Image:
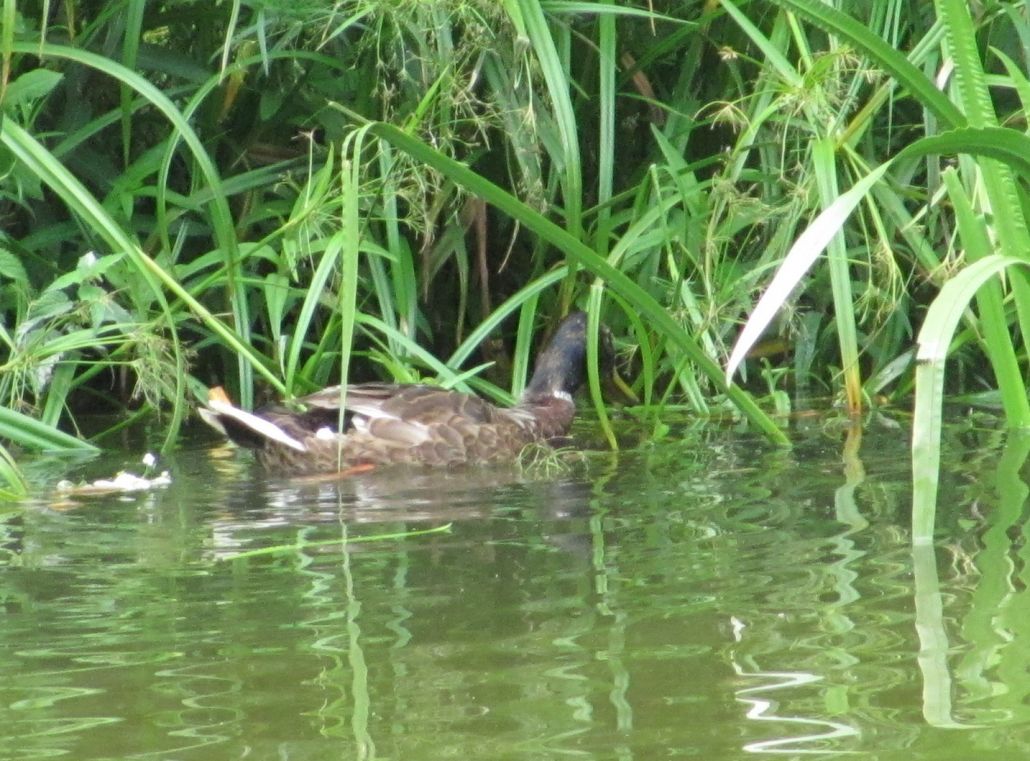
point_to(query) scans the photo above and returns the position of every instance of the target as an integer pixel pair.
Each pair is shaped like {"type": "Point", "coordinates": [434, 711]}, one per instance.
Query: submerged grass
{"type": "Point", "coordinates": [301, 546]}
{"type": "Point", "coordinates": [286, 197]}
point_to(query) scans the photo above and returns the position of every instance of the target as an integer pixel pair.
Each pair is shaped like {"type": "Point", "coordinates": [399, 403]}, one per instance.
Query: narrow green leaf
{"type": "Point", "coordinates": [606, 138]}
{"type": "Point", "coordinates": [772, 54]}
{"type": "Point", "coordinates": [130, 51]}
{"type": "Point", "coordinates": [968, 73]}
{"type": "Point", "coordinates": [557, 80]}
{"type": "Point", "coordinates": [823, 159]}
{"type": "Point", "coordinates": [934, 340]}
{"type": "Point", "coordinates": [1019, 80]}
{"type": "Point", "coordinates": [990, 305]}
{"type": "Point", "coordinates": [28, 432]}
{"type": "Point", "coordinates": [593, 378]}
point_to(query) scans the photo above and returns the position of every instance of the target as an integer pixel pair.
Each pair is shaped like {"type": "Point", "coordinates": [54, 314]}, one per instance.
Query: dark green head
{"type": "Point", "coordinates": [561, 368]}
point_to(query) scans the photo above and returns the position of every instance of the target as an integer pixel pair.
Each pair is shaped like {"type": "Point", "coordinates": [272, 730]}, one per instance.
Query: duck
{"type": "Point", "coordinates": [417, 424]}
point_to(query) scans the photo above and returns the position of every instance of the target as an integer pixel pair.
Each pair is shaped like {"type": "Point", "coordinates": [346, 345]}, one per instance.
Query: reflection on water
{"type": "Point", "coordinates": [807, 735]}
{"type": "Point", "coordinates": [703, 598]}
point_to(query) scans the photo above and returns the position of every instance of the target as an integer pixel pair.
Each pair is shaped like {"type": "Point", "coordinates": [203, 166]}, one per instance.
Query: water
{"type": "Point", "coordinates": [706, 597]}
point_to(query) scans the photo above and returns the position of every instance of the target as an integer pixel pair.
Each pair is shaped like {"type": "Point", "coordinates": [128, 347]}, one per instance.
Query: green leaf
{"type": "Point", "coordinates": [1006, 145]}
{"type": "Point", "coordinates": [934, 340]}
{"type": "Point", "coordinates": [11, 268]}
{"type": "Point", "coordinates": [30, 86]}
{"type": "Point", "coordinates": [28, 432]}
{"type": "Point", "coordinates": [887, 57]}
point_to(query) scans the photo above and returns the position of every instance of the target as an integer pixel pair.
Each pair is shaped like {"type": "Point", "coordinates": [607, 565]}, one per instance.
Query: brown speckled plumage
{"type": "Point", "coordinates": [416, 424]}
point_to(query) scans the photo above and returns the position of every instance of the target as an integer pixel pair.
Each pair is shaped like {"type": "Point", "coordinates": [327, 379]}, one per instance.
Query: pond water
{"type": "Point", "coordinates": [706, 597]}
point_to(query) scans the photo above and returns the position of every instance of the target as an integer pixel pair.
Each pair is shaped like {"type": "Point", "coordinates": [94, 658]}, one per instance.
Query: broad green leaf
{"type": "Point", "coordinates": [29, 432]}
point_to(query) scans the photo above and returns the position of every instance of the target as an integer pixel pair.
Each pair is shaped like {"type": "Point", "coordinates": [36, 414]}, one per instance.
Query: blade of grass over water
{"type": "Point", "coordinates": [934, 339]}
{"type": "Point", "coordinates": [1006, 205]}
{"type": "Point", "coordinates": [990, 304]}
{"type": "Point", "coordinates": [350, 239]}
{"type": "Point", "coordinates": [606, 136]}
{"type": "Point", "coordinates": [593, 378]}
{"type": "Point", "coordinates": [1001, 154]}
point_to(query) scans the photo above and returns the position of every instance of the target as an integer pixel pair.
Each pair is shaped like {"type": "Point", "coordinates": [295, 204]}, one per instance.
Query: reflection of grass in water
{"type": "Point", "coordinates": [299, 546]}
{"type": "Point", "coordinates": [801, 743]}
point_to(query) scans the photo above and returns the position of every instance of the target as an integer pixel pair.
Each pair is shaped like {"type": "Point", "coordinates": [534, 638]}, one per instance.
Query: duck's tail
{"type": "Point", "coordinates": [241, 427]}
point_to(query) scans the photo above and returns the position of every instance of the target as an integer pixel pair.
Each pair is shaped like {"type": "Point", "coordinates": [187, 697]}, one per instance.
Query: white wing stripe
{"type": "Point", "coordinates": [256, 424]}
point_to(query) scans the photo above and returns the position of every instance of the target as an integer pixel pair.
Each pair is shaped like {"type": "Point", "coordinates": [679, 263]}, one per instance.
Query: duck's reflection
{"type": "Point", "coordinates": [402, 498]}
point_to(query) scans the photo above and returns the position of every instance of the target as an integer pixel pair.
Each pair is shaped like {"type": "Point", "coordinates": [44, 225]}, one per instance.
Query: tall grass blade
{"type": "Point", "coordinates": [350, 230]}
{"type": "Point", "coordinates": [993, 322]}
{"type": "Point", "coordinates": [1006, 200]}
{"type": "Point", "coordinates": [130, 52]}
{"type": "Point", "coordinates": [840, 278]}
{"type": "Point", "coordinates": [934, 340]}
{"type": "Point", "coordinates": [557, 80]}
{"type": "Point", "coordinates": [593, 378]}
{"type": "Point", "coordinates": [606, 137]}
{"type": "Point", "coordinates": [9, 22]}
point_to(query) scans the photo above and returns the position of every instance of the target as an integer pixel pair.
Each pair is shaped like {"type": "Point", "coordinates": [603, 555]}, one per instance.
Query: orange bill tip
{"type": "Point", "coordinates": [217, 394]}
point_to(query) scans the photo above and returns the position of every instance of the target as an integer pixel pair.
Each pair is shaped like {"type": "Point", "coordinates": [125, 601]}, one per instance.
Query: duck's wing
{"type": "Point", "coordinates": [408, 414]}
{"type": "Point", "coordinates": [397, 415]}
{"type": "Point", "coordinates": [409, 401]}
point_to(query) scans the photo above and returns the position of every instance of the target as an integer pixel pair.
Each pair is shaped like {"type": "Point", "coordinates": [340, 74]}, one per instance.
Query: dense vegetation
{"type": "Point", "coordinates": [278, 195]}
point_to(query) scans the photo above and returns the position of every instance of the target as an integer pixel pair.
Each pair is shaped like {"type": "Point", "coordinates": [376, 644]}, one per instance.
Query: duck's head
{"type": "Point", "coordinates": [561, 368]}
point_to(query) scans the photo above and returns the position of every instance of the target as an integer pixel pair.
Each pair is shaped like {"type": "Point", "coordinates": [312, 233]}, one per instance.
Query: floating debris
{"type": "Point", "coordinates": [122, 482]}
